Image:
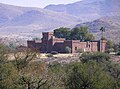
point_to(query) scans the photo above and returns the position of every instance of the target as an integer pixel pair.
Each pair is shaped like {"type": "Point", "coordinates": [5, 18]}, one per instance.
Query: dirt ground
{"type": "Point", "coordinates": [115, 58]}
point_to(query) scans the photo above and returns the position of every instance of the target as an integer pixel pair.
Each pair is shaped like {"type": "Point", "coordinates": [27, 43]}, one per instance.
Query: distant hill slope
{"type": "Point", "coordinates": [88, 10]}
{"type": "Point", "coordinates": [25, 20]}
{"type": "Point", "coordinates": [111, 24]}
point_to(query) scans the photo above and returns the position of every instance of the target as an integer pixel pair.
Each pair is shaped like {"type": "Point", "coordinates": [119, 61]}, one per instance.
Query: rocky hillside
{"type": "Point", "coordinates": [111, 24]}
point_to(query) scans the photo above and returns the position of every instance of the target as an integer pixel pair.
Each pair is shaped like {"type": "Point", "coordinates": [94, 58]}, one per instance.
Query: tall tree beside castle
{"type": "Point", "coordinates": [62, 32]}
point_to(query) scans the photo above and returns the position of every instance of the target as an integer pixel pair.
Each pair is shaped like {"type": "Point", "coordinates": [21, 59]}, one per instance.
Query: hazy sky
{"type": "Point", "coordinates": [36, 3]}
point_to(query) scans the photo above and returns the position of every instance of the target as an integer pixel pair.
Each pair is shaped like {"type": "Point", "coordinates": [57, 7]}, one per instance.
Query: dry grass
{"type": "Point", "coordinates": [43, 56]}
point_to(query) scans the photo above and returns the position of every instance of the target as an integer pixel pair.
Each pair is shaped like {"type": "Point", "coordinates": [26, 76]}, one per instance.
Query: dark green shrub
{"type": "Point", "coordinates": [68, 49]}
{"type": "Point", "coordinates": [54, 52]}
{"type": "Point", "coordinates": [97, 56]}
{"type": "Point", "coordinates": [50, 55]}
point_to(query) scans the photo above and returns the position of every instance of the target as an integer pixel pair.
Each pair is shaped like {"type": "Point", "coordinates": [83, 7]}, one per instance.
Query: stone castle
{"type": "Point", "coordinates": [50, 43]}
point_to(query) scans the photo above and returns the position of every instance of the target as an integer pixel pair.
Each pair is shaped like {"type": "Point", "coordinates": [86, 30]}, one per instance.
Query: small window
{"type": "Point", "coordinates": [75, 48]}
{"type": "Point", "coordinates": [89, 45]}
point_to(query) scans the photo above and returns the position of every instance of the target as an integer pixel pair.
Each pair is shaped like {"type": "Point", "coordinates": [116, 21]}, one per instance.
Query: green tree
{"type": "Point", "coordinates": [8, 73]}
{"type": "Point", "coordinates": [77, 33]}
{"type": "Point", "coordinates": [8, 76]}
{"type": "Point", "coordinates": [117, 48]}
{"type": "Point", "coordinates": [3, 52]}
{"type": "Point", "coordinates": [12, 46]}
{"type": "Point", "coordinates": [109, 46]}
{"type": "Point", "coordinates": [58, 75]}
{"type": "Point", "coordinates": [113, 69]}
{"type": "Point", "coordinates": [81, 33]}
{"type": "Point", "coordinates": [89, 37]}
{"type": "Point", "coordinates": [22, 59]}
{"type": "Point", "coordinates": [88, 76]}
{"type": "Point", "coordinates": [62, 32]}
{"type": "Point", "coordinates": [103, 60]}
{"type": "Point", "coordinates": [34, 76]}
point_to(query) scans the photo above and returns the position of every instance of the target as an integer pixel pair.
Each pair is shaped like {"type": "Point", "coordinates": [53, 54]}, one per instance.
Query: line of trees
{"type": "Point", "coordinates": [94, 71]}
{"type": "Point", "coordinates": [77, 33]}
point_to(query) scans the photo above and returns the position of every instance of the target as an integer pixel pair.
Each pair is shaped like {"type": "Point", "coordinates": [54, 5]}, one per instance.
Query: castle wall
{"type": "Point", "coordinates": [76, 45]}
{"type": "Point", "coordinates": [34, 45]}
{"type": "Point", "coordinates": [58, 40]}
{"type": "Point", "coordinates": [102, 45]}
{"type": "Point", "coordinates": [38, 46]}
{"type": "Point", "coordinates": [95, 46]}
{"type": "Point", "coordinates": [85, 46]}
{"type": "Point", "coordinates": [59, 47]}
{"type": "Point", "coordinates": [58, 44]}
{"type": "Point", "coordinates": [49, 43]}
{"type": "Point", "coordinates": [67, 43]}
{"type": "Point", "coordinates": [31, 44]}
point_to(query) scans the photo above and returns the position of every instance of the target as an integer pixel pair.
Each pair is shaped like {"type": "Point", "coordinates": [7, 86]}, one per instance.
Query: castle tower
{"type": "Point", "coordinates": [47, 35]}
{"type": "Point", "coordinates": [103, 45]}
{"type": "Point", "coordinates": [46, 41]}
{"type": "Point", "coordinates": [103, 40]}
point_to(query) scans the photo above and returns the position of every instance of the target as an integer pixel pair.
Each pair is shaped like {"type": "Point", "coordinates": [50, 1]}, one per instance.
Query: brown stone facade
{"type": "Point", "coordinates": [49, 43]}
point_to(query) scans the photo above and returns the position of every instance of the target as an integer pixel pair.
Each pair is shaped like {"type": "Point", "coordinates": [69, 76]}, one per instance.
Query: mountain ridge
{"type": "Point", "coordinates": [29, 22]}
{"type": "Point", "coordinates": [19, 20]}
{"type": "Point", "coordinates": [90, 9]}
